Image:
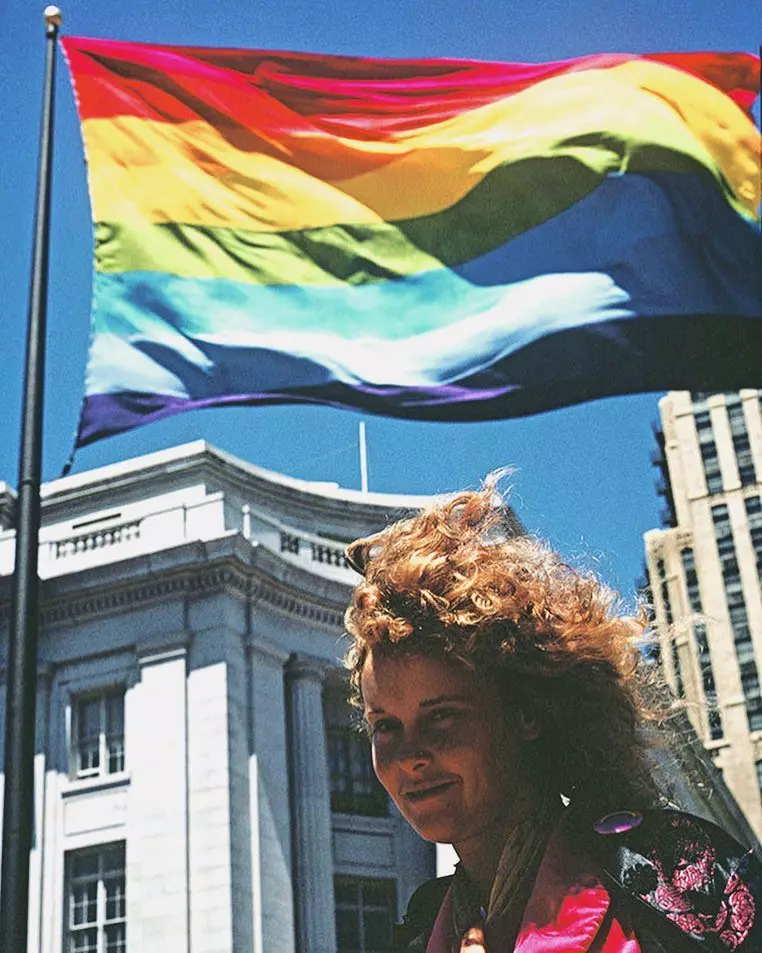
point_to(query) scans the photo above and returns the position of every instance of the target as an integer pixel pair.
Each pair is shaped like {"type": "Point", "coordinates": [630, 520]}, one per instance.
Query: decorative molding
{"type": "Point", "coordinates": [271, 651]}
{"type": "Point", "coordinates": [684, 538]}
{"type": "Point", "coordinates": [307, 668]}
{"type": "Point", "coordinates": [293, 603]}
{"type": "Point", "coordinates": [656, 549]}
{"type": "Point", "coordinates": [227, 574]}
{"type": "Point", "coordinates": [167, 653]}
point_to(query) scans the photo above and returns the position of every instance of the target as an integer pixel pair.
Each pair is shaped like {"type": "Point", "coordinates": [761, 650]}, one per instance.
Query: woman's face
{"type": "Point", "coordinates": [449, 758]}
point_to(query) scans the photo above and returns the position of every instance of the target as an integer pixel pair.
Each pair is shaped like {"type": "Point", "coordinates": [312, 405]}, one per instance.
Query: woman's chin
{"type": "Point", "coordinates": [436, 831]}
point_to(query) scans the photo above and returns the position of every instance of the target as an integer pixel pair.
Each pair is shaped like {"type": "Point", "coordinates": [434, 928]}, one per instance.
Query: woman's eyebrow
{"type": "Point", "coordinates": [427, 703]}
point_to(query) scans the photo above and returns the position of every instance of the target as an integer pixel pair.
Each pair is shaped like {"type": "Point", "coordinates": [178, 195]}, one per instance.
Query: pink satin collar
{"type": "Point", "coordinates": [568, 912]}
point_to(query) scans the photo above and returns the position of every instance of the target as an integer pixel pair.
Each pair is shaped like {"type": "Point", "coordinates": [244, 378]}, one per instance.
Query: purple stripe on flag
{"type": "Point", "coordinates": [607, 359]}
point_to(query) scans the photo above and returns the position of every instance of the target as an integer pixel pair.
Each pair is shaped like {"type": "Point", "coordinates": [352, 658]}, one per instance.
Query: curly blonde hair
{"type": "Point", "coordinates": [460, 580]}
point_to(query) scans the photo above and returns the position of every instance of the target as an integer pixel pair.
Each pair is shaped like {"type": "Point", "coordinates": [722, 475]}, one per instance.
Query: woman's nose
{"type": "Point", "coordinates": [415, 751]}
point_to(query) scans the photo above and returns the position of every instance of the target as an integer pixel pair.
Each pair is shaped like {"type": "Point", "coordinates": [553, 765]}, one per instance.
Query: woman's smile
{"type": "Point", "coordinates": [429, 790]}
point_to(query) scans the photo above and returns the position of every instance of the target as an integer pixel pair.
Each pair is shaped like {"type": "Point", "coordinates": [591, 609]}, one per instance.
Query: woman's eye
{"type": "Point", "coordinates": [443, 715]}
{"type": "Point", "coordinates": [382, 727]}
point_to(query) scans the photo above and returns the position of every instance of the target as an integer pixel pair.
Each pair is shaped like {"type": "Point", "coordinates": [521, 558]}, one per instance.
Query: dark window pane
{"type": "Point", "coordinates": [89, 719]}
{"type": "Point", "coordinates": [348, 930]}
{"type": "Point", "coordinates": [115, 899]}
{"type": "Point", "coordinates": [84, 908]}
{"type": "Point", "coordinates": [115, 714]}
{"type": "Point", "coordinates": [377, 930]}
{"type": "Point", "coordinates": [115, 755]}
{"type": "Point", "coordinates": [345, 891]}
{"type": "Point", "coordinates": [85, 941]}
{"type": "Point", "coordinates": [84, 865]}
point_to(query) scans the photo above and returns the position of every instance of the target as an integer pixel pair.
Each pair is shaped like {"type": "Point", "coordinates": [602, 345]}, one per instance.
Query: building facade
{"type": "Point", "coordinates": [199, 782]}
{"type": "Point", "coordinates": [704, 567]}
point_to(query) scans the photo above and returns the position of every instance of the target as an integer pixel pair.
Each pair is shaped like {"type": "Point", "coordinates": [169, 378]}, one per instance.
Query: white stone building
{"type": "Point", "coordinates": [704, 569]}
{"type": "Point", "coordinates": [199, 785]}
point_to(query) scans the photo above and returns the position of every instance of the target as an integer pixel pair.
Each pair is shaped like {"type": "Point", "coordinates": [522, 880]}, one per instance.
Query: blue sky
{"type": "Point", "coordinates": [583, 476]}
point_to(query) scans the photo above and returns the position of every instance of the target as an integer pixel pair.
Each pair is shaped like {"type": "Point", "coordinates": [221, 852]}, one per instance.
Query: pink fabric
{"type": "Point", "coordinates": [442, 938]}
{"type": "Point", "coordinates": [568, 912]}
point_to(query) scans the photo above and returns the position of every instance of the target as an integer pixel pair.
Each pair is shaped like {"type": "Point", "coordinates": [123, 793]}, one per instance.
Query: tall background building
{"type": "Point", "coordinates": [704, 567]}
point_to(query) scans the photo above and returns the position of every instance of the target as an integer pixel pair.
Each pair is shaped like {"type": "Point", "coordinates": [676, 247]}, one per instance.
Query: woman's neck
{"type": "Point", "coordinates": [480, 857]}
{"type": "Point", "coordinates": [514, 829]}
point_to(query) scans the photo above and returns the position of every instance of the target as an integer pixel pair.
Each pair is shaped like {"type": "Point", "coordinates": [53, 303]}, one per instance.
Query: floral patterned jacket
{"type": "Point", "coordinates": [669, 882]}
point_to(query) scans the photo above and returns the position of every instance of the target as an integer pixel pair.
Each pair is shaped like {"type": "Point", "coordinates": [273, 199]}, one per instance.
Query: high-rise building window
{"type": "Point", "coordinates": [365, 912]}
{"type": "Point", "coordinates": [354, 786]}
{"type": "Point", "coordinates": [669, 618]}
{"type": "Point", "coordinates": [97, 735]}
{"type": "Point", "coordinates": [721, 520]}
{"type": "Point", "coordinates": [711, 462]}
{"type": "Point", "coordinates": [96, 907]}
{"type": "Point", "coordinates": [754, 517]}
{"type": "Point", "coordinates": [739, 622]}
{"type": "Point", "coordinates": [738, 617]}
{"type": "Point", "coordinates": [753, 694]}
{"type": "Point", "coordinates": [702, 644]}
{"type": "Point", "coordinates": [744, 458]}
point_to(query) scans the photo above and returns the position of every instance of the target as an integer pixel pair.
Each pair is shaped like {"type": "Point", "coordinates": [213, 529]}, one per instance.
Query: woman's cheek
{"type": "Point", "coordinates": [381, 760]}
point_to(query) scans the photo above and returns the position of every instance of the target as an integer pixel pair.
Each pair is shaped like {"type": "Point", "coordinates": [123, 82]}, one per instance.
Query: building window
{"type": "Point", "coordinates": [702, 644]}
{"type": "Point", "coordinates": [740, 437]}
{"type": "Point", "coordinates": [354, 786]}
{"type": "Point", "coordinates": [98, 733]}
{"type": "Point", "coordinates": [711, 463]}
{"type": "Point", "coordinates": [365, 912]}
{"type": "Point", "coordinates": [669, 618]}
{"type": "Point", "coordinates": [96, 909]}
{"type": "Point", "coordinates": [753, 695]}
{"type": "Point", "coordinates": [759, 774]}
{"type": "Point", "coordinates": [754, 517]}
{"type": "Point", "coordinates": [721, 520]}
{"type": "Point", "coordinates": [739, 621]}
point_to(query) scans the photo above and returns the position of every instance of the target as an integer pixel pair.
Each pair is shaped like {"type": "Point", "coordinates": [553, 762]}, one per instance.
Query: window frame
{"type": "Point", "coordinates": [102, 772]}
{"type": "Point", "coordinates": [102, 922]}
{"type": "Point", "coordinates": [343, 732]}
{"type": "Point", "coordinates": [359, 884]}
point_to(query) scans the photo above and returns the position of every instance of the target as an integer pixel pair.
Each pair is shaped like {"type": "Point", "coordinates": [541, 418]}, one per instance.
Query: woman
{"type": "Point", "coordinates": [505, 704]}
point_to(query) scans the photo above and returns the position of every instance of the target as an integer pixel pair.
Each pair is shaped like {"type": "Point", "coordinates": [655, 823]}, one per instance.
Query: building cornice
{"type": "Point", "coordinates": [236, 568]}
{"type": "Point", "coordinates": [199, 461]}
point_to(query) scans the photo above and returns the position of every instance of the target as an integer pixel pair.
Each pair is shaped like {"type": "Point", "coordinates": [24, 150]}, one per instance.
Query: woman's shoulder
{"type": "Point", "coordinates": [684, 873]}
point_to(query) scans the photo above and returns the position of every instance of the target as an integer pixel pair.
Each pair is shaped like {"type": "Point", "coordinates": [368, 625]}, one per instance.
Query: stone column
{"type": "Point", "coordinates": [157, 846]}
{"type": "Point", "coordinates": [311, 808]}
{"type": "Point", "coordinates": [273, 895]}
{"type": "Point", "coordinates": [219, 838]}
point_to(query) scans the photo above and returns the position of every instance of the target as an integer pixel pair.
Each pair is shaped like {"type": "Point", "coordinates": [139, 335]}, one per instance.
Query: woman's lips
{"type": "Point", "coordinates": [430, 790]}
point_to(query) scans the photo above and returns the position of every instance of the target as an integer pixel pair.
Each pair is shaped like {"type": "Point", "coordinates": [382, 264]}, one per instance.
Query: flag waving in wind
{"type": "Point", "coordinates": [432, 239]}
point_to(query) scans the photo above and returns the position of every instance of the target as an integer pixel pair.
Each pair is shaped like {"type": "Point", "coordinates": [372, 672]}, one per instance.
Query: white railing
{"type": "Point", "coordinates": [297, 545]}
{"type": "Point", "coordinates": [96, 539]}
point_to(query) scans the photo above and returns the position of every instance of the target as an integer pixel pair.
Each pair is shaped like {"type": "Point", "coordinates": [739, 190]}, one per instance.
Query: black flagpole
{"type": "Point", "coordinates": [18, 805]}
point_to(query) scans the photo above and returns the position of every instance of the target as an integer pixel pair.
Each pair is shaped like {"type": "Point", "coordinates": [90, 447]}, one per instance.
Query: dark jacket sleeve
{"type": "Point", "coordinates": [686, 884]}
{"type": "Point", "coordinates": [412, 934]}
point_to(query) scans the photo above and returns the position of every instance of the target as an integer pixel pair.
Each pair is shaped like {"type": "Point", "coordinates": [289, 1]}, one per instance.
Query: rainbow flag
{"type": "Point", "coordinates": [433, 239]}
